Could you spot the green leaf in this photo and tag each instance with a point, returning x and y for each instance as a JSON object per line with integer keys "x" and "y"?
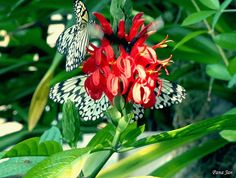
{"x": 229, "y": 135}
{"x": 119, "y": 102}
{"x": 197, "y": 17}
{"x": 32, "y": 147}
{"x": 207, "y": 126}
{"x": 143, "y": 157}
{"x": 131, "y": 133}
{"x": 39, "y": 100}
{"x": 52, "y": 134}
{"x": 64, "y": 164}
{"x": 218, "y": 71}
{"x": 216, "y": 17}
{"x": 19, "y": 166}
{"x": 232, "y": 66}
{"x": 70, "y": 123}
{"x": 40, "y": 96}
{"x": 176, "y": 164}
{"x": 226, "y": 40}
{"x": 212, "y": 4}
{"x": 165, "y": 143}
{"x": 189, "y": 37}
{"x": 103, "y": 137}
{"x": 113, "y": 114}
{"x": 231, "y": 112}
{"x": 120, "y": 9}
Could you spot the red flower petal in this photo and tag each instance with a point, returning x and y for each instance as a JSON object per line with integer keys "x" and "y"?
{"x": 134, "y": 29}
{"x": 121, "y": 29}
{"x": 107, "y": 29}
{"x": 94, "y": 92}
{"x": 137, "y": 17}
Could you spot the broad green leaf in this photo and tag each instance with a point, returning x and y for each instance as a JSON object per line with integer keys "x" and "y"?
{"x": 231, "y": 112}
{"x": 229, "y": 135}
{"x": 120, "y": 9}
{"x": 166, "y": 142}
{"x": 40, "y": 95}
{"x": 218, "y": 71}
{"x": 207, "y": 126}
{"x": 19, "y": 165}
{"x": 119, "y": 102}
{"x": 188, "y": 37}
{"x": 226, "y": 40}
{"x": 197, "y": 17}
{"x": 143, "y": 157}
{"x": 101, "y": 140}
{"x": 216, "y": 17}
{"x": 176, "y": 164}
{"x": 103, "y": 137}
{"x": 32, "y": 147}
{"x": 95, "y": 162}
{"x": 131, "y": 133}
{"x": 212, "y": 4}
{"x": 70, "y": 123}
{"x": 232, "y": 66}
{"x": 39, "y": 100}
{"x": 52, "y": 134}
{"x": 64, "y": 164}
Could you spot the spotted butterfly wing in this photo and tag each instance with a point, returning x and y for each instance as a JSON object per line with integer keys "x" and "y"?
{"x": 171, "y": 93}
{"x": 74, "y": 40}
{"x": 73, "y": 89}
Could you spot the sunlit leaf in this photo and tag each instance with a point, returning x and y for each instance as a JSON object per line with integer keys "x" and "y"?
{"x": 176, "y": 164}
{"x": 197, "y": 17}
{"x": 65, "y": 164}
{"x": 40, "y": 96}
{"x": 229, "y": 135}
{"x": 39, "y": 100}
{"x": 212, "y": 4}
{"x": 19, "y": 165}
{"x": 32, "y": 147}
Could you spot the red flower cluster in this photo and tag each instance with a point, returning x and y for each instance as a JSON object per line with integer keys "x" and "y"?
{"x": 124, "y": 64}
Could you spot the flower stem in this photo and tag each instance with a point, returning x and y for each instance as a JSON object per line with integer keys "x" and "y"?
{"x": 115, "y": 143}
{"x": 212, "y": 34}
{"x": 229, "y": 10}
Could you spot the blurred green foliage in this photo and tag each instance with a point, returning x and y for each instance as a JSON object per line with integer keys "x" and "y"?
{"x": 203, "y": 48}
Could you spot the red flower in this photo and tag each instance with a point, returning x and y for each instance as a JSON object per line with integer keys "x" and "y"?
{"x": 134, "y": 73}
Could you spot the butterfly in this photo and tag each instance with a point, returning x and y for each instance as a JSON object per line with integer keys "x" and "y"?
{"x": 75, "y": 39}
{"x": 90, "y": 110}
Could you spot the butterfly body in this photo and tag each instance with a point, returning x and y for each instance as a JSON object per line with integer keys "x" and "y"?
{"x": 73, "y": 42}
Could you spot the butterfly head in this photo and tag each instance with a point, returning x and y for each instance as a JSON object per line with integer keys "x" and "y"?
{"x": 80, "y": 12}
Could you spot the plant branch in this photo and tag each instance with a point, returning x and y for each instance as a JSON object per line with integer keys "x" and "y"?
{"x": 212, "y": 34}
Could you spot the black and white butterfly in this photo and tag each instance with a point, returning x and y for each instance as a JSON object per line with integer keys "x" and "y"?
{"x": 73, "y": 89}
{"x": 75, "y": 39}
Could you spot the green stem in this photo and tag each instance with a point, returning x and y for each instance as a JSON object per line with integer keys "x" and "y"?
{"x": 212, "y": 34}
{"x": 115, "y": 143}
{"x": 229, "y": 10}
